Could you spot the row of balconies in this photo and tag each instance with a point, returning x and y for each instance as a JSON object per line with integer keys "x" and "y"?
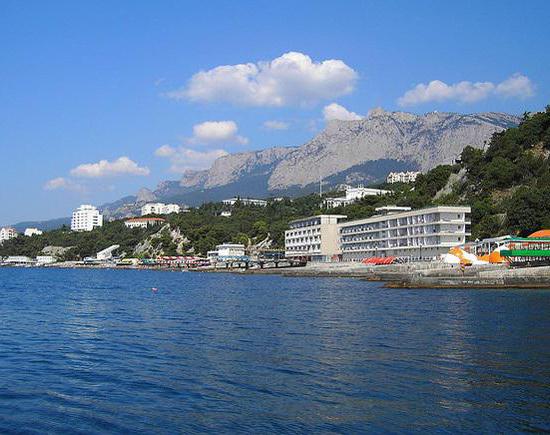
{"x": 362, "y": 228}
{"x": 351, "y": 239}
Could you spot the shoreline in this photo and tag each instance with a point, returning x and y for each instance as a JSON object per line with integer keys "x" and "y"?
{"x": 411, "y": 275}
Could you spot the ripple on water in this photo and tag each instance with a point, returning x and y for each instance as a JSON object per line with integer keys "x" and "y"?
{"x": 94, "y": 351}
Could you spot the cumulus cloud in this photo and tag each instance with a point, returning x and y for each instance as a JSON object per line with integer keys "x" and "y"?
{"x": 335, "y": 111}
{"x": 517, "y": 85}
{"x": 61, "y": 183}
{"x": 291, "y": 79}
{"x": 104, "y": 168}
{"x": 276, "y": 125}
{"x": 182, "y": 159}
{"x": 216, "y": 131}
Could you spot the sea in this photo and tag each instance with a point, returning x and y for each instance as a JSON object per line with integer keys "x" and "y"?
{"x": 128, "y": 351}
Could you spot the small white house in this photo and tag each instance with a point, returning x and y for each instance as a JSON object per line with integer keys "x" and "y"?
{"x": 143, "y": 222}
{"x": 45, "y": 259}
{"x": 29, "y": 232}
{"x": 354, "y": 194}
{"x": 230, "y": 251}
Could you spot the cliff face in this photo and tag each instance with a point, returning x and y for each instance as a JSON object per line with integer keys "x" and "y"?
{"x": 353, "y": 152}
{"x": 230, "y": 168}
{"x": 423, "y": 140}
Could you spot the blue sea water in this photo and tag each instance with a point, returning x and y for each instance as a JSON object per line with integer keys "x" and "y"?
{"x": 97, "y": 351}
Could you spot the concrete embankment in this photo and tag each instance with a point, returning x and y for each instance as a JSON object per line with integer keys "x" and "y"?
{"x": 479, "y": 277}
{"x": 434, "y": 274}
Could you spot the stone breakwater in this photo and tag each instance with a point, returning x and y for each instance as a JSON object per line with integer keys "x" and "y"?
{"x": 426, "y": 275}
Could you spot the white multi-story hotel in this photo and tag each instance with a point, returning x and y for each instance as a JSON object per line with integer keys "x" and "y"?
{"x": 159, "y": 208}
{"x": 86, "y": 218}
{"x": 353, "y": 194}
{"x": 402, "y": 177}
{"x": 314, "y": 238}
{"x": 415, "y": 234}
{"x": 7, "y": 233}
{"x": 245, "y": 201}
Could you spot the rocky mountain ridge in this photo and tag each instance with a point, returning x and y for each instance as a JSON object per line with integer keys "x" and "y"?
{"x": 361, "y": 151}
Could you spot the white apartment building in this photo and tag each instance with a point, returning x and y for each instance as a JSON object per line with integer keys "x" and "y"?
{"x": 245, "y": 201}
{"x": 143, "y": 222}
{"x": 415, "y": 234}
{"x": 315, "y": 238}
{"x": 159, "y": 208}
{"x": 29, "y": 232}
{"x": 86, "y": 218}
{"x": 353, "y": 194}
{"x": 7, "y": 233}
{"x": 402, "y": 177}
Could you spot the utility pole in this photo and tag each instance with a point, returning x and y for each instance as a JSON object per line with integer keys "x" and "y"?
{"x": 320, "y": 186}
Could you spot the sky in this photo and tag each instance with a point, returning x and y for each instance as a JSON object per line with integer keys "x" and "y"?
{"x": 99, "y": 99}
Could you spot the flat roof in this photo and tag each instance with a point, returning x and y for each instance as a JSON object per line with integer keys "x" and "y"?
{"x": 338, "y": 216}
{"x": 141, "y": 219}
{"x": 381, "y": 217}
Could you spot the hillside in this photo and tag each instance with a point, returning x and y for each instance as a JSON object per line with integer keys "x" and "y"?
{"x": 508, "y": 187}
{"x": 362, "y": 151}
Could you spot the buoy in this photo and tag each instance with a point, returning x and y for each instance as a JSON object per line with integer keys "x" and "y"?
{"x": 154, "y": 289}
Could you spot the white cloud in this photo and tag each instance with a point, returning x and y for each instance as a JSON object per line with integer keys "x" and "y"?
{"x": 182, "y": 159}
{"x": 216, "y": 131}
{"x": 276, "y": 125}
{"x": 61, "y": 183}
{"x": 164, "y": 151}
{"x": 104, "y": 168}
{"x": 335, "y": 111}
{"x": 467, "y": 92}
{"x": 291, "y": 79}
{"x": 517, "y": 85}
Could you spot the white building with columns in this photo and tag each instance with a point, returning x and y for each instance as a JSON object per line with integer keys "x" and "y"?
{"x": 86, "y": 218}
{"x": 159, "y": 208}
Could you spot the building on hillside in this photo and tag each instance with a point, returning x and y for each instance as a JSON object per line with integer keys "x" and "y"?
{"x": 245, "y": 201}
{"x": 160, "y": 208}
{"x": 402, "y": 177}
{"x": 86, "y": 218}
{"x": 143, "y": 222}
{"x": 225, "y": 213}
{"x": 29, "y": 232}
{"x": 416, "y": 234}
{"x": 7, "y": 233}
{"x": 354, "y": 194}
{"x": 314, "y": 238}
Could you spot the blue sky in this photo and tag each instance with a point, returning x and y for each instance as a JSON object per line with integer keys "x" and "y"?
{"x": 121, "y": 82}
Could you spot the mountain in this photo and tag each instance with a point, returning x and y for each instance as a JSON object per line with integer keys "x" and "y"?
{"x": 48, "y": 225}
{"x": 397, "y": 140}
{"x": 352, "y": 152}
